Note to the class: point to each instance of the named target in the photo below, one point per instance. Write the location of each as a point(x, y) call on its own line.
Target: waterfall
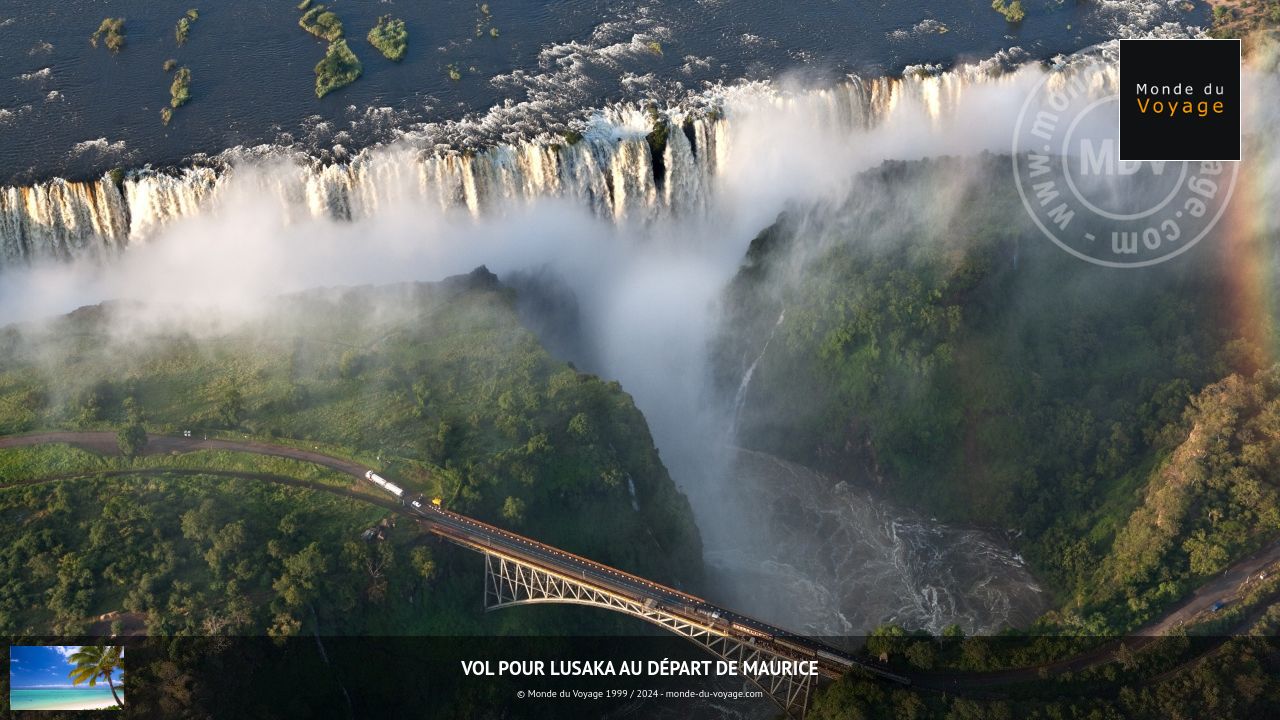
point(610, 167)
point(61, 220)
point(631, 488)
point(740, 398)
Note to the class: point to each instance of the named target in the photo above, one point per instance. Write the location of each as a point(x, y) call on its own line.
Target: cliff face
point(918, 332)
point(1213, 498)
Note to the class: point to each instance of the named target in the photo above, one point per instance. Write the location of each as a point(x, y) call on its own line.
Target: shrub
point(132, 439)
point(390, 37)
point(182, 30)
point(321, 23)
point(1012, 12)
point(180, 90)
point(111, 32)
point(339, 67)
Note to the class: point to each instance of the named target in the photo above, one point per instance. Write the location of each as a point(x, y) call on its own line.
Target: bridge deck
point(480, 536)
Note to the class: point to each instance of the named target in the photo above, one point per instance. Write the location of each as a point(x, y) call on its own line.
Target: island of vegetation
point(484, 21)
point(111, 32)
point(1012, 11)
point(339, 67)
point(390, 37)
point(183, 28)
point(180, 88)
point(322, 23)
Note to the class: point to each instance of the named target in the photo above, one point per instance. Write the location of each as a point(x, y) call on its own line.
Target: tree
point(580, 427)
point(1012, 12)
point(95, 661)
point(349, 365)
point(886, 641)
point(922, 654)
point(423, 563)
point(300, 582)
point(231, 407)
point(513, 510)
point(132, 439)
point(1206, 556)
point(95, 402)
point(298, 397)
point(111, 31)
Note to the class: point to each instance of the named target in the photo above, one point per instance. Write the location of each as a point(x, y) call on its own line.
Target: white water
point(840, 562)
point(631, 489)
point(611, 171)
point(740, 398)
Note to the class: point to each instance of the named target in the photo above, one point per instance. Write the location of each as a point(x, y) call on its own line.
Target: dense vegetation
point(111, 32)
point(390, 37)
point(182, 30)
point(322, 23)
point(179, 91)
point(980, 371)
point(1246, 19)
point(1211, 499)
point(171, 555)
point(1234, 679)
point(1126, 424)
point(1012, 11)
point(437, 386)
point(180, 88)
point(339, 67)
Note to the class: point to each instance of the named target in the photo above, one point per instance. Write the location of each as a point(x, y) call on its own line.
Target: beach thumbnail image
point(66, 677)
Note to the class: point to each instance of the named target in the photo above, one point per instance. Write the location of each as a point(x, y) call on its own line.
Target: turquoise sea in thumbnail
point(77, 698)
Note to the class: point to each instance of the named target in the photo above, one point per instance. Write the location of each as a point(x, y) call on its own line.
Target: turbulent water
point(71, 109)
point(614, 169)
point(841, 562)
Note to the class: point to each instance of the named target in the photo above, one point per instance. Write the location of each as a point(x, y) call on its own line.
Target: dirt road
point(105, 443)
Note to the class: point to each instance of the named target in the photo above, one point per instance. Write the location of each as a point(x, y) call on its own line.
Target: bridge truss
point(510, 581)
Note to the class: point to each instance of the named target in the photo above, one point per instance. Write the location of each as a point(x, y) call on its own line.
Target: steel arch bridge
point(510, 582)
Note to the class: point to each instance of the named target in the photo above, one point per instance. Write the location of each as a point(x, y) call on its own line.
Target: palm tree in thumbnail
point(95, 661)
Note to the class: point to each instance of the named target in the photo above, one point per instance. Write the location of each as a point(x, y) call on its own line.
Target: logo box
point(1180, 100)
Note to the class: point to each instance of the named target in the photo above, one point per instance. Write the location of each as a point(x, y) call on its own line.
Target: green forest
point(437, 386)
point(1002, 382)
point(923, 339)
